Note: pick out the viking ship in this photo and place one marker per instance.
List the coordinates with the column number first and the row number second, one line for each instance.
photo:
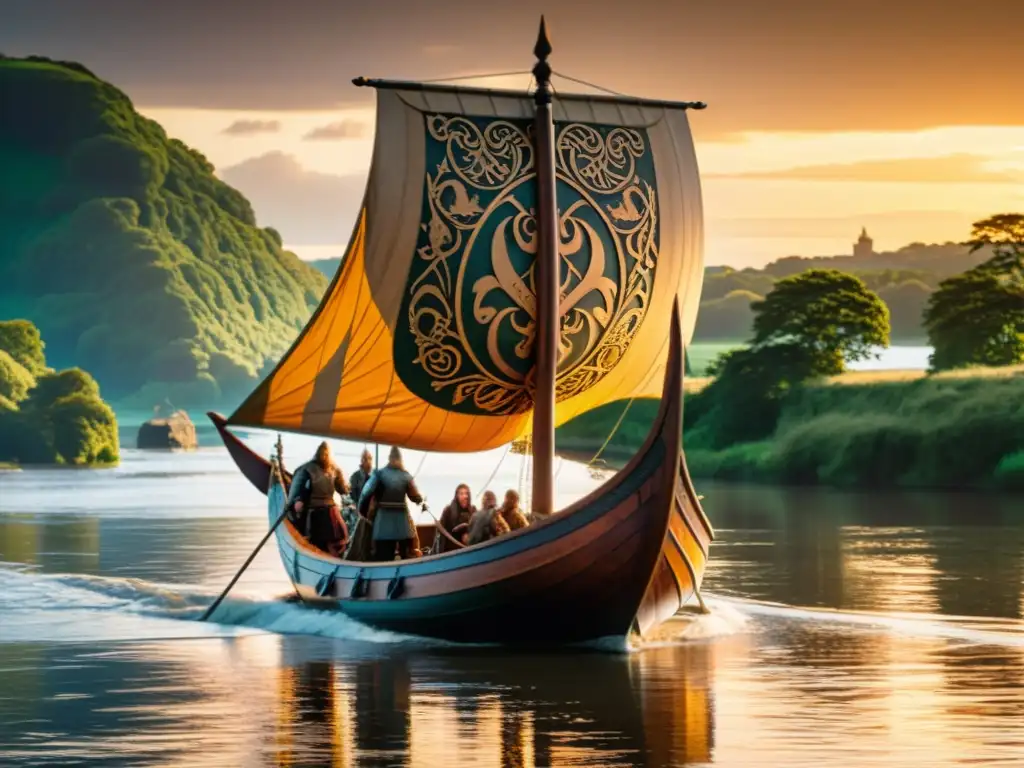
column 519, row 259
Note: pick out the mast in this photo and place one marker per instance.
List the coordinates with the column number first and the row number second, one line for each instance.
column 546, row 280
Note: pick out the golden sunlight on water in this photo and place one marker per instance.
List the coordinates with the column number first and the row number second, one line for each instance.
column 893, row 568
column 286, row 702
column 841, row 632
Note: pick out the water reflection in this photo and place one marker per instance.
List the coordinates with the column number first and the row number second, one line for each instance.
column 382, row 716
column 65, row 543
column 950, row 554
column 797, row 688
column 313, row 714
column 513, row 711
column 678, row 721
column 800, row 694
column 214, row 703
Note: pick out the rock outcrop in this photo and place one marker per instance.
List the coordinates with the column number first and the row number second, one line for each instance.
column 174, row 431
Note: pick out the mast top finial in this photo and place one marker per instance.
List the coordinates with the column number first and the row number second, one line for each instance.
column 543, row 47
column 542, row 70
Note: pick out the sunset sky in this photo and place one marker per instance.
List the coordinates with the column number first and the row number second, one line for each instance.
column 905, row 116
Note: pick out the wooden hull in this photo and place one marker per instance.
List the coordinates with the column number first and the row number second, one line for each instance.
column 624, row 558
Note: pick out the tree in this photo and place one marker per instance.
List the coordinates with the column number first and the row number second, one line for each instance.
column 1004, row 232
column 56, row 386
column 84, row 430
column 119, row 242
column 176, row 361
column 21, row 340
column 829, row 315
column 977, row 318
column 744, row 401
column 808, row 325
column 15, row 381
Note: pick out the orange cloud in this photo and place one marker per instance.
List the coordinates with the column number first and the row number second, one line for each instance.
column 250, row 127
column 343, row 129
column 955, row 168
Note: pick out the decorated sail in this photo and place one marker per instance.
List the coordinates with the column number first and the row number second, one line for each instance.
column 425, row 336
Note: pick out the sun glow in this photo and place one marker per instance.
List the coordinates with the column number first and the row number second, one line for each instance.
column 766, row 195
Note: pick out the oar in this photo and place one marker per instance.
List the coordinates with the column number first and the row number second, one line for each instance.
column 212, row 608
column 276, row 469
column 441, row 528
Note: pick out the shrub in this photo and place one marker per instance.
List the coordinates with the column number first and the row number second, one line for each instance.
column 15, row 380
column 84, row 430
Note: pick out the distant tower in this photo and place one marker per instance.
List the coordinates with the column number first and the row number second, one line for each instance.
column 864, row 247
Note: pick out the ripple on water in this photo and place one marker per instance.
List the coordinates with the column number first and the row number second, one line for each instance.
column 907, row 652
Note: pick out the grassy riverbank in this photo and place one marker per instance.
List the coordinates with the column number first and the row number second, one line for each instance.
column 961, row 429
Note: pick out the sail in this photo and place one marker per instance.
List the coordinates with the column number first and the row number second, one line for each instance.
column 425, row 336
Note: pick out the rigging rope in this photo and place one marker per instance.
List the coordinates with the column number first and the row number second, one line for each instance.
column 622, row 416
column 423, row 460
column 559, row 467
column 478, row 77
column 584, row 82
column 500, row 462
column 529, row 85
column 611, row 434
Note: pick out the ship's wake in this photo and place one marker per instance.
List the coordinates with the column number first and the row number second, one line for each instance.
column 39, row 607
column 75, row 608
column 977, row 630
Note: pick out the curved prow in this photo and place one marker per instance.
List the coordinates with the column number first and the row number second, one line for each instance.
column 688, row 534
column 254, row 467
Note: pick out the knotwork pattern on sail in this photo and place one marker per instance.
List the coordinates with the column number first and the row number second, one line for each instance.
column 425, row 337
column 467, row 345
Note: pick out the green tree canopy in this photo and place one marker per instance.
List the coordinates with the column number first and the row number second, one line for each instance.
column 15, row 380
column 84, row 430
column 57, row 418
column 21, row 340
column 977, row 318
column 1004, row 234
column 135, row 261
column 808, row 325
column 830, row 315
column 54, row 387
column 744, row 401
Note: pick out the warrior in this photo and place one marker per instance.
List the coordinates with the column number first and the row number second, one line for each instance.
column 393, row 526
column 361, row 476
column 487, row 521
column 357, row 482
column 455, row 518
column 312, row 498
column 511, row 513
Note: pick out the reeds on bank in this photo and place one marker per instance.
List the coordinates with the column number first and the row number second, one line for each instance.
column 960, row 429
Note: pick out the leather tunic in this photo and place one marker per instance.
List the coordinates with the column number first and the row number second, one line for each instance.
column 322, row 485
column 391, row 486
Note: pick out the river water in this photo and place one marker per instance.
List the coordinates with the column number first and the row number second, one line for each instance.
column 846, row 629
